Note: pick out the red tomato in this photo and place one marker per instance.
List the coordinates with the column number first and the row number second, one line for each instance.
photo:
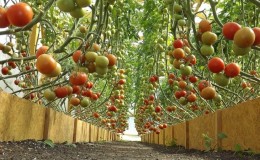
column 78, row 78
column 77, row 55
column 61, row 92
column 4, row 22
column 190, row 59
column 76, row 89
column 229, row 29
column 193, row 79
column 20, row 14
column 178, row 43
column 203, row 84
column 216, row 65
column 257, row 35
column 232, row 70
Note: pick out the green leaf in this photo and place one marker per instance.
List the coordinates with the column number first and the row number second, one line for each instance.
column 222, row 135
column 238, row 148
column 49, row 143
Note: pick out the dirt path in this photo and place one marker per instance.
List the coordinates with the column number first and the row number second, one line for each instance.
column 32, row 150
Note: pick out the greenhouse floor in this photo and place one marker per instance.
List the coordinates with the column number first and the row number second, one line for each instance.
column 122, row 150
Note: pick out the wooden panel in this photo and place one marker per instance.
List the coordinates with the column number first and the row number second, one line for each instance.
column 156, row 138
column 161, row 137
column 82, row 131
column 241, row 124
column 202, row 125
column 168, row 136
column 60, row 127
column 180, row 134
column 20, row 119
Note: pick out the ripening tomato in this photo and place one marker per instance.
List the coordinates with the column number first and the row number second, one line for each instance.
column 232, row 70
column 229, row 29
column 41, row 50
column 74, row 101
column 208, row 93
column 257, row 35
column 216, row 65
column 112, row 59
column 178, row 43
column 205, row 26
column 203, row 84
column 178, row 53
column 193, row 79
column 245, row 37
column 46, row 64
column 4, row 22
column 20, row 14
column 78, row 78
column 61, row 92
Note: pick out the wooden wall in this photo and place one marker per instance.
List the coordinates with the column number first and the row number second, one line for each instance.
column 240, row 123
column 21, row 120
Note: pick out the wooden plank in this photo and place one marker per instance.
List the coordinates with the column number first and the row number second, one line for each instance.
column 161, row 137
column 169, row 136
column 20, row 119
column 241, row 124
column 202, row 129
column 60, row 128
column 180, row 134
column 156, row 138
column 218, row 128
column 82, row 131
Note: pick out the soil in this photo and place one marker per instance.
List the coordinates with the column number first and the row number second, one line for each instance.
column 122, row 150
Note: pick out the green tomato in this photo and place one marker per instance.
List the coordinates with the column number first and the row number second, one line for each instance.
column 83, row 3
column 84, row 102
column 186, row 70
column 221, row 79
column 66, row 5
column 77, row 13
column 207, row 50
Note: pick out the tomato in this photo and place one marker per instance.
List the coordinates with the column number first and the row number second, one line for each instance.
column 232, row 70
column 190, row 59
column 245, row 37
column 75, row 89
column 66, row 5
column 89, row 85
column 77, row 12
column 74, row 101
column 20, row 14
column 209, row 38
column 122, row 81
column 158, row 109
column 96, row 115
column 178, row 43
column 41, row 50
column 207, row 50
column 4, row 22
column 77, row 55
column 61, row 92
column 203, row 84
column 216, row 65
column 257, row 35
column 16, row 82
column 49, row 95
column 191, row 97
column 221, row 79
column 102, row 61
column 185, row 71
column 178, row 53
column 182, row 84
column 193, row 79
column 83, row 3
column 240, row 51
column 171, row 76
column 46, row 64
column 5, row 70
column 208, row 93
column 229, row 29
column 55, row 72
column 112, row 59
column 94, row 96
column 78, row 78
column 91, row 67
column 204, row 26
column 177, row 63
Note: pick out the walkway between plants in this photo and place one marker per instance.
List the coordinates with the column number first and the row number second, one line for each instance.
column 107, row 150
